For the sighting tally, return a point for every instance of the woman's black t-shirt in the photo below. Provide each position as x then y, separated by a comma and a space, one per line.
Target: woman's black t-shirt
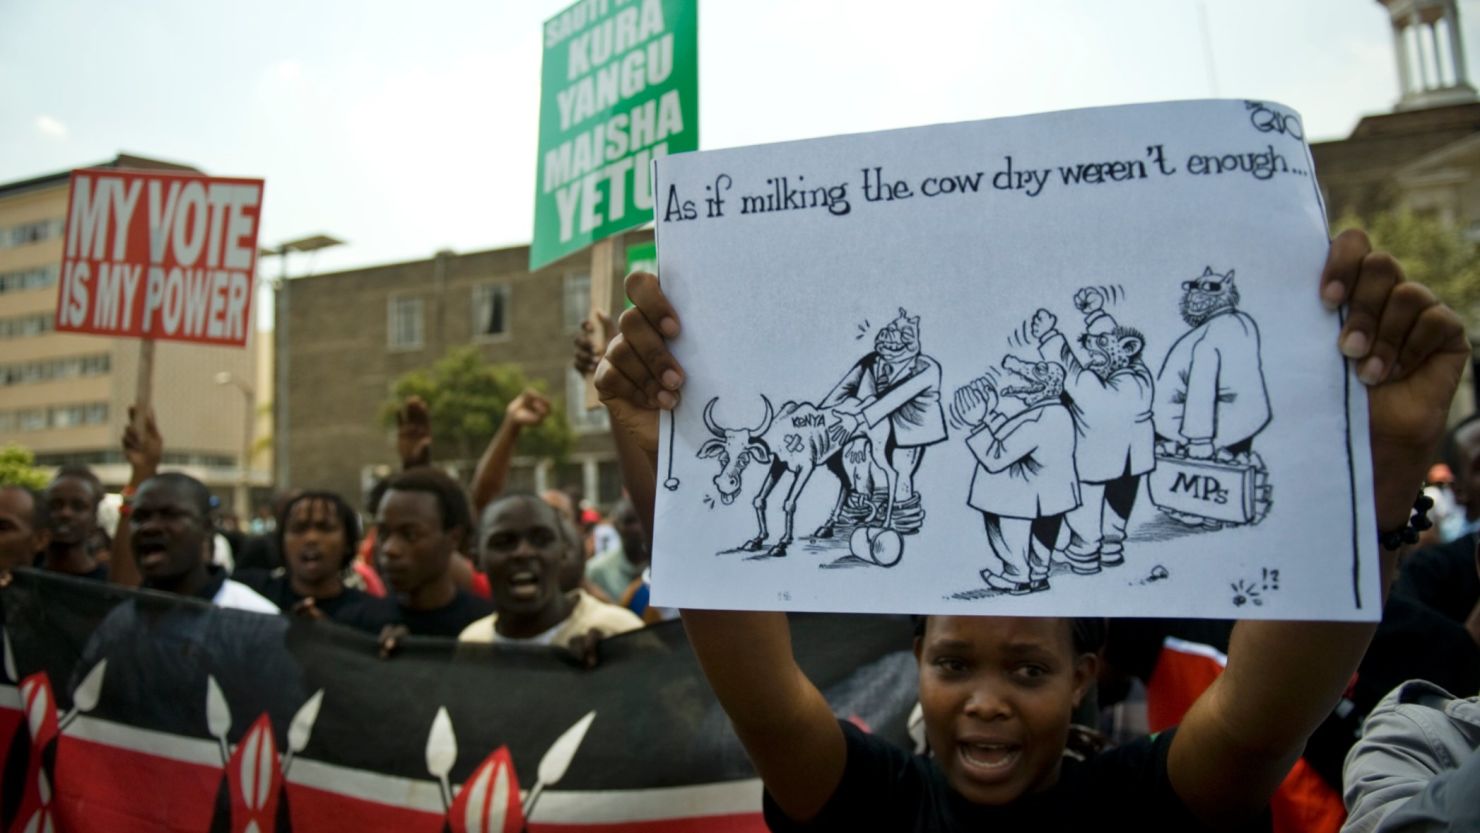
351, 607
885, 788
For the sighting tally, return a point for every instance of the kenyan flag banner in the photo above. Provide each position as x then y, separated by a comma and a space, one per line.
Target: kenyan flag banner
126, 711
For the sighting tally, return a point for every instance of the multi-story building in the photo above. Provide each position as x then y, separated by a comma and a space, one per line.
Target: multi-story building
65, 396
349, 335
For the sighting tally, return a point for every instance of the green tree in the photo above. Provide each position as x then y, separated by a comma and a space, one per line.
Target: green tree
1432, 253
467, 397
18, 468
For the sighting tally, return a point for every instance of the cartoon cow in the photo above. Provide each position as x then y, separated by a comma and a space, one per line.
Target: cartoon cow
798, 439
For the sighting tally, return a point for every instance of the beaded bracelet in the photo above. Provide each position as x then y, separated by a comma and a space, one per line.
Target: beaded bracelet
1396, 539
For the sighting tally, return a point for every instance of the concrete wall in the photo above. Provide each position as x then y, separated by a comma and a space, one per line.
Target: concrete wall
341, 366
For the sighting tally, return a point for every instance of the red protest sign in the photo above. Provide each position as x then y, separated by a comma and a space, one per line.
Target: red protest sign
159, 255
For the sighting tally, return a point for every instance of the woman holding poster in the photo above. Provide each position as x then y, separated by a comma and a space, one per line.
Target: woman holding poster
997, 692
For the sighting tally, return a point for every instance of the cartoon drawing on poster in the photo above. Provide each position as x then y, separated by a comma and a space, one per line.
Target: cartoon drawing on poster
873, 427
1025, 481
896, 387
1066, 408
1212, 403
1109, 397
1110, 394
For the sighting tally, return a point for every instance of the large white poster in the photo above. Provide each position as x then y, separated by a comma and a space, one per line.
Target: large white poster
1073, 363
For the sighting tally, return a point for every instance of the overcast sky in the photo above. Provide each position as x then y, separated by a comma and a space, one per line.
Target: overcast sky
407, 128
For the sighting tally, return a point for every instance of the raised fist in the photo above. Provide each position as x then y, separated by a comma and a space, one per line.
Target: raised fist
414, 433
588, 349
143, 446
528, 409
1042, 324
1089, 300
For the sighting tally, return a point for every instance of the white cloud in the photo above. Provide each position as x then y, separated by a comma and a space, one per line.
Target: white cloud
50, 127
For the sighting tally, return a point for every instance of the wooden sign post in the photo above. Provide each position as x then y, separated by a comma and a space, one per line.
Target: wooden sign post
604, 265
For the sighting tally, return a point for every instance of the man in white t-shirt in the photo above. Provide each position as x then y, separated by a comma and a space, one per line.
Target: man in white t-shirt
532, 562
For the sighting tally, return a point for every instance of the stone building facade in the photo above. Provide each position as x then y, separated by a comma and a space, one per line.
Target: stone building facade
1424, 156
350, 334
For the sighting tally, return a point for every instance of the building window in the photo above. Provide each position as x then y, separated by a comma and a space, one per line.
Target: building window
569, 476
50, 369
577, 300
59, 416
521, 479
21, 326
33, 232
69, 416
98, 413
608, 483
39, 277
490, 311
404, 326
581, 420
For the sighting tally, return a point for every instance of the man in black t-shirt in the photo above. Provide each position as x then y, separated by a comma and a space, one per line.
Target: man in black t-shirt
318, 534
420, 523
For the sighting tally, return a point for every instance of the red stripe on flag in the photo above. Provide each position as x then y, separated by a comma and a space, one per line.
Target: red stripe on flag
107, 788
135, 792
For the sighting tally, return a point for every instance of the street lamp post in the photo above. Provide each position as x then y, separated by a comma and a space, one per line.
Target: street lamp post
243, 499
282, 466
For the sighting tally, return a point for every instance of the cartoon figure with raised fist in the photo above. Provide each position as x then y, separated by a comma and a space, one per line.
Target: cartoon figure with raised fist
1111, 392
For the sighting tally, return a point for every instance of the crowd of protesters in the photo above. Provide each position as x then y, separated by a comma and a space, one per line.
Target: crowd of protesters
1276, 739
427, 558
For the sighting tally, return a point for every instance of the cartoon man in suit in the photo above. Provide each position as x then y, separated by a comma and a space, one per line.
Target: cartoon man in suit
897, 383
1025, 481
1111, 392
1210, 394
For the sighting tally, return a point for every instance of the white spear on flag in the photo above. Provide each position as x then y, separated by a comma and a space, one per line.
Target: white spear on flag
218, 717
442, 753
557, 760
9, 656
85, 698
301, 728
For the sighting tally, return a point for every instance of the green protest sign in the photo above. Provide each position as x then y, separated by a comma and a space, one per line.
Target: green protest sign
619, 87
641, 257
